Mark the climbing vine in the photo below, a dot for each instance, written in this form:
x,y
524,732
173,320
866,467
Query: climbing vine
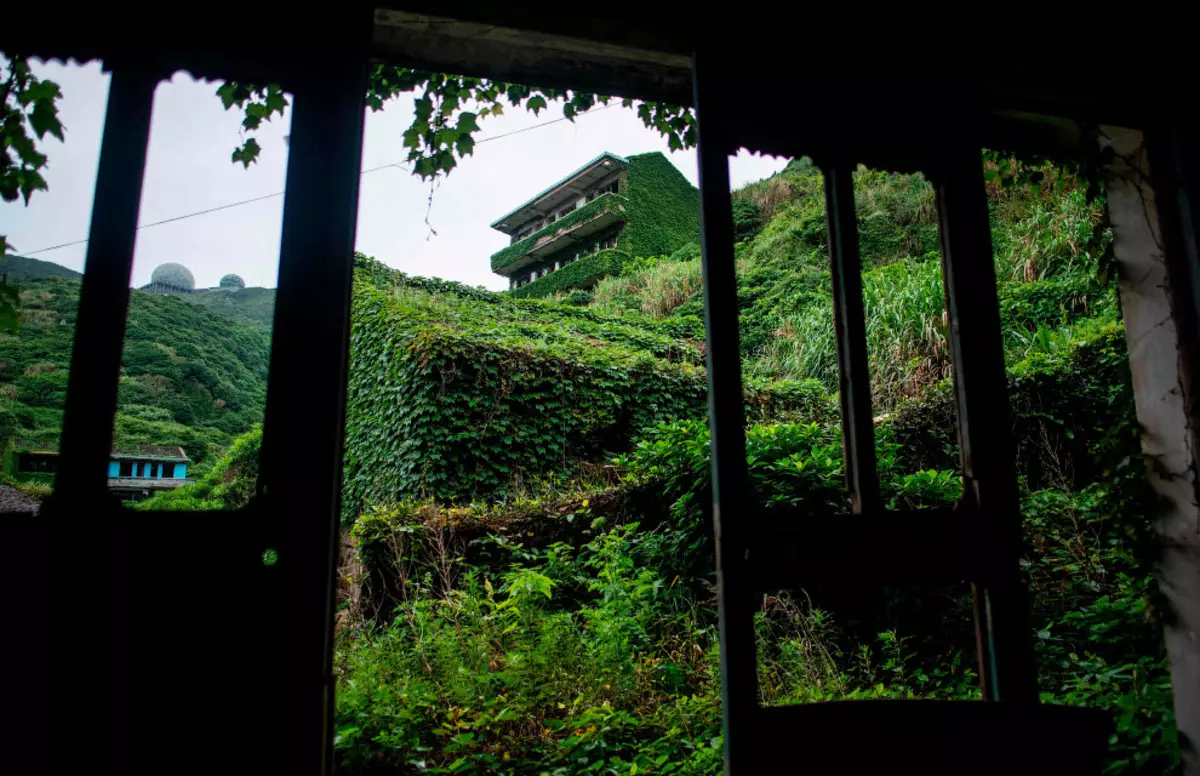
x,y
448,111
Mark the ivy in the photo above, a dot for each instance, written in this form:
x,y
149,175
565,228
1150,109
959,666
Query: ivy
x,y
448,111
664,209
456,400
579,274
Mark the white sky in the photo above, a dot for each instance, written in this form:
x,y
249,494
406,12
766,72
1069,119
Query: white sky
x,y
188,169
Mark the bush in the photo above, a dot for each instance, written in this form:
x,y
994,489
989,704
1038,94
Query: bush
x,y
747,219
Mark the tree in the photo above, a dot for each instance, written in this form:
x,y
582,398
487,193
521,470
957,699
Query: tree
x,y
30,112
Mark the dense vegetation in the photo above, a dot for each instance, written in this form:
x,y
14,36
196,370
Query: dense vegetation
x,y
526,581
190,377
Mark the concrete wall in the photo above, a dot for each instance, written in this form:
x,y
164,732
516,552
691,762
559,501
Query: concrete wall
x,y
1163,392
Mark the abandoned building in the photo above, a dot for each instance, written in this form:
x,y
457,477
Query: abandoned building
x,y
134,472
139,471
591,222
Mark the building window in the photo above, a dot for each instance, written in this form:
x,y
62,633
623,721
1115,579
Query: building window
x,y
608,188
566,210
126,468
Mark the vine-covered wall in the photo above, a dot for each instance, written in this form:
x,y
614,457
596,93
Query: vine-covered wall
x,y
453,398
664,209
580,274
454,413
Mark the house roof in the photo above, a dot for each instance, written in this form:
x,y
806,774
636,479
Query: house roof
x,y
159,452
533,201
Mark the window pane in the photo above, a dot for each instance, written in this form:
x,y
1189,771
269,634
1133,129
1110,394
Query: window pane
x,y
197,339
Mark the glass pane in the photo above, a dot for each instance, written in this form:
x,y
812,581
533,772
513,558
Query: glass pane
x,y
46,240
197,339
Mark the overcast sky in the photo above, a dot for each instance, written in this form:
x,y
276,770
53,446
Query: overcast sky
x,y
188,169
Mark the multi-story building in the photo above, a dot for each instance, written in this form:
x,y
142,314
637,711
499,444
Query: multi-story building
x,y
591,222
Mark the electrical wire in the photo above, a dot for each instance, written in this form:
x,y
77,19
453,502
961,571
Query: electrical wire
x,y
252,200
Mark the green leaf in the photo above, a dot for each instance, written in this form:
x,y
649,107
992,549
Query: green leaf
x,y
423,109
247,153
44,120
536,104
425,167
467,123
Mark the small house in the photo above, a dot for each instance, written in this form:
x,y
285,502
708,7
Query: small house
x,y
144,469
588,224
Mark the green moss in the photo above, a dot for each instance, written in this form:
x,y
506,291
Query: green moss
x,y
580,274
603,204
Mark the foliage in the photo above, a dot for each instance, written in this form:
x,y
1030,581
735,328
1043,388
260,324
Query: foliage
x,y
30,112
20,268
581,639
655,288
228,485
906,334
254,305
579,274
747,219
663,207
448,111
30,107
456,413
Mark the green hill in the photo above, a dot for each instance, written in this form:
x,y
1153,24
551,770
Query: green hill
x,y
254,305
190,377
20,269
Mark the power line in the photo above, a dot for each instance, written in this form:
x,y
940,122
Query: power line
x,y
399,165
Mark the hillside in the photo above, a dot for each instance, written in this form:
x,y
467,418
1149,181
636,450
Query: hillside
x,y
253,305
190,377
19,269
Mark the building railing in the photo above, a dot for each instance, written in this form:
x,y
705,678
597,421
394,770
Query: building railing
x,y
603,204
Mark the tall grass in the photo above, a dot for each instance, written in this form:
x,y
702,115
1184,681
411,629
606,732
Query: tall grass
x,y
656,290
1062,236
906,334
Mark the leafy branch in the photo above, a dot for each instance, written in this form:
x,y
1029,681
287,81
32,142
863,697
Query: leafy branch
x,y
29,108
448,111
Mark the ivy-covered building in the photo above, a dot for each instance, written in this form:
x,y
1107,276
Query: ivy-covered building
x,y
591,222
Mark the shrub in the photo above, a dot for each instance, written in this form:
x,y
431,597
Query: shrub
x,y
747,219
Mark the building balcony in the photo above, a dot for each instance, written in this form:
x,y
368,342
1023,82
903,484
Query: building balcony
x,y
148,483
576,227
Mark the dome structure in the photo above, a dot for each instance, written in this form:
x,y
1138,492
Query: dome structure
x,y
174,276
232,283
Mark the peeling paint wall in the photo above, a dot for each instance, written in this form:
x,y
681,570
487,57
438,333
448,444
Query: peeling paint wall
x,y
1161,392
